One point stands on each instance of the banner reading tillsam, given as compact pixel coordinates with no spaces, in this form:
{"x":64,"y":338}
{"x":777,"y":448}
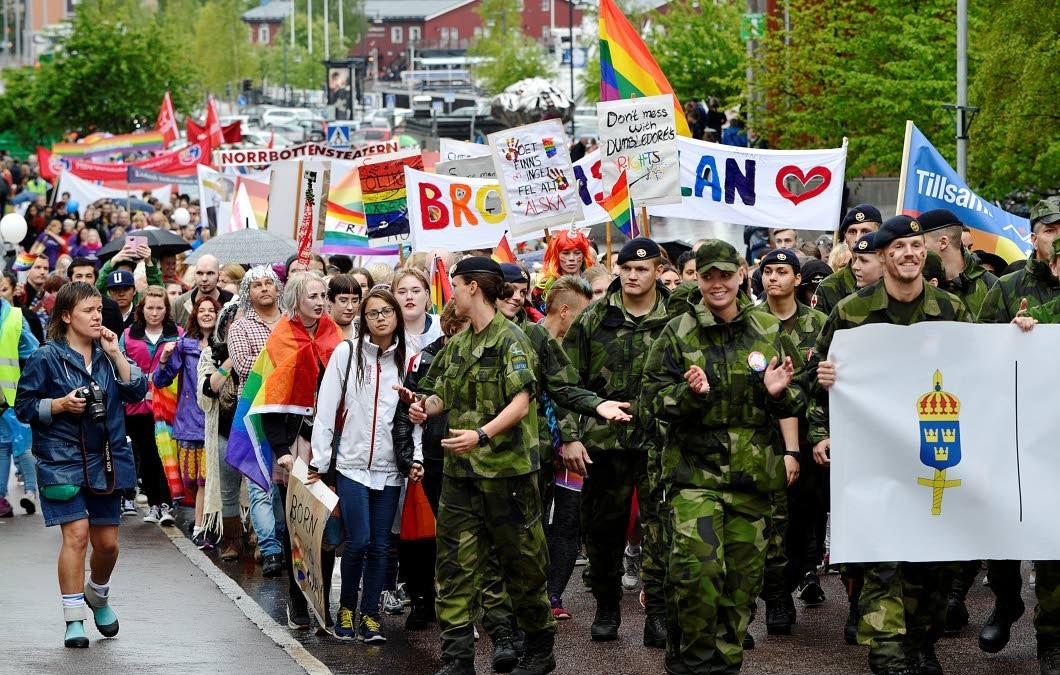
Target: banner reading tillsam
{"x":535,"y":170}
{"x":308,"y":508}
{"x":802,"y":189}
{"x":638,"y":136}
{"x":928,"y":182}
{"x":454,"y":213}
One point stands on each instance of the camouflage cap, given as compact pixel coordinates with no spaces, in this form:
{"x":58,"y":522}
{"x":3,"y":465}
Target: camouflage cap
{"x":934,"y":267}
{"x":1047,"y":211}
{"x":1056,"y":247}
{"x":717,"y":254}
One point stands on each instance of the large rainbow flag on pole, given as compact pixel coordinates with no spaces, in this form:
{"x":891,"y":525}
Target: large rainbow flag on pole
{"x":627,"y":68}
{"x":620,"y":208}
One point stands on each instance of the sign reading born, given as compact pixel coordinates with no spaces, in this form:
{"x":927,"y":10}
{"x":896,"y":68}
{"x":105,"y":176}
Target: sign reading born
{"x":534,"y":168}
{"x":639,"y":136}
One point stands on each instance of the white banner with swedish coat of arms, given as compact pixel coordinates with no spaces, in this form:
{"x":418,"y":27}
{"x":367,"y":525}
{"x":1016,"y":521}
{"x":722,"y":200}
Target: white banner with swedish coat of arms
{"x":944,"y":443}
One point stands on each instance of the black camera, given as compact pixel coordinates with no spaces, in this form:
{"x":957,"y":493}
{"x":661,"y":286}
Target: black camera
{"x":95,"y":406}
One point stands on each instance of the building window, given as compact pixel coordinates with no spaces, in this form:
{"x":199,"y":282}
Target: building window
{"x":545,"y":30}
{"x":396,"y":35}
{"x":454,"y":34}
{"x":415,"y":33}
{"x":443,"y":34}
{"x":264,"y":36}
{"x":477,"y":32}
{"x":546,"y":5}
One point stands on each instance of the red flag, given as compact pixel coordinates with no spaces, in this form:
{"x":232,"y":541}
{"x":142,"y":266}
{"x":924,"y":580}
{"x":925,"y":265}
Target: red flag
{"x":196,"y":132}
{"x":233,"y":133}
{"x":167,"y":121}
{"x":272,"y":138}
{"x":213,"y":124}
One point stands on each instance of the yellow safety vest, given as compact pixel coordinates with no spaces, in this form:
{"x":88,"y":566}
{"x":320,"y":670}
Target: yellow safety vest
{"x":10,"y":335}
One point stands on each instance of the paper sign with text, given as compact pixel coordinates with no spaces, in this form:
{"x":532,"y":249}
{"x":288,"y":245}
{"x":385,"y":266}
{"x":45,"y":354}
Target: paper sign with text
{"x":454,"y":213}
{"x":639,"y":136}
{"x":308,"y":508}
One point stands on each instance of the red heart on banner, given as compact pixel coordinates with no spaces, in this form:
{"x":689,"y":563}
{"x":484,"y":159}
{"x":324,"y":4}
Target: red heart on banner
{"x":796,"y":186}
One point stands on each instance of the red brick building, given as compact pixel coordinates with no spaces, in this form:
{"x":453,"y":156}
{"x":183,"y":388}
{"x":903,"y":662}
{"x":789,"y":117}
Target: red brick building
{"x":266,"y":21}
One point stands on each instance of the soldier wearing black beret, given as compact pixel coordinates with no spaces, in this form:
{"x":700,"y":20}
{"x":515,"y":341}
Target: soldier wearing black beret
{"x":964,"y":276}
{"x":866,"y":265}
{"x":860,"y":220}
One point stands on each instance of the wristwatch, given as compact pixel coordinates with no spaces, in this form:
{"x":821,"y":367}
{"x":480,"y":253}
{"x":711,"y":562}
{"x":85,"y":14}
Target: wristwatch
{"x":793,"y":453}
{"x":483,"y":439}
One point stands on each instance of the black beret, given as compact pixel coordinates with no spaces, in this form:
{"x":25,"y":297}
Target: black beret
{"x":866,"y":243}
{"x":814,"y":272}
{"x":899,"y":227}
{"x":781,"y":256}
{"x":936,"y":219}
{"x":515,"y":274}
{"x":862,"y":213}
{"x":478,"y":263}
{"x":640,"y":248}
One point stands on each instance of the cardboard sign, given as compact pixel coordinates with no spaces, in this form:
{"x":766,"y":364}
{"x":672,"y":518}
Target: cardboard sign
{"x":639,"y":136}
{"x":454,"y":213}
{"x":308,"y":508}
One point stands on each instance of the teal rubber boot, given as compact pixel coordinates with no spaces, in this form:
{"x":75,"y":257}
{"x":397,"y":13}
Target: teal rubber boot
{"x":106,"y":619}
{"x":75,"y":626}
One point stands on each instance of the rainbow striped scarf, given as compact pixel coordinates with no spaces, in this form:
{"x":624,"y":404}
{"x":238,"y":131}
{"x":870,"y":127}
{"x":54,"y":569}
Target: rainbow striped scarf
{"x":164,"y":410}
{"x":283,"y":380}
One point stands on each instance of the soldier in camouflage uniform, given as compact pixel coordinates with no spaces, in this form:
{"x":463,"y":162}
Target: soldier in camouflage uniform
{"x":608,"y":344}
{"x":722,"y":375}
{"x":1034,"y":285}
{"x":489,"y":506}
{"x":902,"y":605}
{"x":860,"y":220}
{"x":793,"y":557}
{"x":965,"y":277}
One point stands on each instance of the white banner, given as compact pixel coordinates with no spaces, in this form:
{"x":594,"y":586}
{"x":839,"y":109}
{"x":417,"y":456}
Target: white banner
{"x":767,"y":188}
{"x":86,"y":192}
{"x":639,"y":136}
{"x":261,"y":156}
{"x":450,"y":149}
{"x":456,"y":214}
{"x":534,"y":167}
{"x":468,"y":167}
{"x":958,"y":466}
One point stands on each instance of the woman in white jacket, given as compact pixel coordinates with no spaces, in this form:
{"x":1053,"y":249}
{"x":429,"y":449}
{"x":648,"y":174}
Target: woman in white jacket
{"x":367,"y":480}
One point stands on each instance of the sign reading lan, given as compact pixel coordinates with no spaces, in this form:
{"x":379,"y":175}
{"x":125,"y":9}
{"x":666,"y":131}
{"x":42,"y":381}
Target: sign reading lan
{"x":639,"y":137}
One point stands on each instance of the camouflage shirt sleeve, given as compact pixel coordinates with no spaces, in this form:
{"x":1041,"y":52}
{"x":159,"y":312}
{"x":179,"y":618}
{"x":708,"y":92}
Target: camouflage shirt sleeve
{"x":518,"y":372}
{"x":560,"y":379}
{"x":665,"y":390}
{"x":995,"y":306}
{"x":793,"y":400}
{"x":435,"y":382}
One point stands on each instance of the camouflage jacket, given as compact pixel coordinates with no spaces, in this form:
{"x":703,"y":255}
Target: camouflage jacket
{"x":477,"y":376}
{"x":971,"y":285}
{"x":1047,"y":313}
{"x":728,"y":438}
{"x":832,"y":289}
{"x":608,"y":348}
{"x":804,"y":328}
{"x":1034,"y":282}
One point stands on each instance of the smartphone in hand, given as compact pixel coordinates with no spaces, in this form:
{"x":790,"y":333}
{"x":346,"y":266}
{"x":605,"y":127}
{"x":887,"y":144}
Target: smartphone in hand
{"x":133,"y":244}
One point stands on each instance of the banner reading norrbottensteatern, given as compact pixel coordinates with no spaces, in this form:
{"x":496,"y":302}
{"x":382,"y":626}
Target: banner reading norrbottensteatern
{"x":262,"y":156}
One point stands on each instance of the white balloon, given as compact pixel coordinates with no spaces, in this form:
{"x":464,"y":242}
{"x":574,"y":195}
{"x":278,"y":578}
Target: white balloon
{"x":181,"y":217}
{"x":12,"y":228}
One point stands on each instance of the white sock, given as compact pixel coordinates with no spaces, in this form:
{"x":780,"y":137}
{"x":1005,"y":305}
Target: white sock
{"x":196,"y":532}
{"x":73,"y":599}
{"x":632,"y":550}
{"x":102,"y":590}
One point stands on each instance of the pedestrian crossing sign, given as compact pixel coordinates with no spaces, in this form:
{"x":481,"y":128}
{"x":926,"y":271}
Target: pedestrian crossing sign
{"x":338,"y":136}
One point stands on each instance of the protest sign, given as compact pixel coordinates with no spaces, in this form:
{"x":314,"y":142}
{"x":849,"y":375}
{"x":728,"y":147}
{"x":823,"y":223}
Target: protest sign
{"x":177,"y":162}
{"x":639,"y":136}
{"x":287,"y":198}
{"x":137,"y":174}
{"x":382,"y":183}
{"x":259,"y":156}
{"x":215,"y":199}
{"x":308,"y":508}
{"x":801,"y":189}
{"x":588,"y":171}
{"x":345,"y":227}
{"x":936,"y":460}
{"x":468,"y":167}
{"x":535,"y":171}
{"x":454,"y":213}
{"x":312,"y":191}
{"x":87,"y":192}
{"x":450,"y":149}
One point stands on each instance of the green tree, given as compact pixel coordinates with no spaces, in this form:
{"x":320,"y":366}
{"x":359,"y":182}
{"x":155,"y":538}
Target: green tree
{"x":508,"y":54}
{"x":697,"y":45}
{"x":858,"y":69}
{"x":305,"y":70}
{"x":223,"y":47}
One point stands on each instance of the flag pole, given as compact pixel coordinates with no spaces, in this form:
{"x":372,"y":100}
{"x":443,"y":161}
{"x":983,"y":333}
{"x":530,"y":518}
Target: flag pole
{"x":905,"y":163}
{"x":644,"y":219}
{"x":607,"y":261}
{"x":401,"y":254}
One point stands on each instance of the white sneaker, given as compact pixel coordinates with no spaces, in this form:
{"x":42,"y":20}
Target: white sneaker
{"x":166,"y":516}
{"x":29,"y":503}
{"x":128,"y":507}
{"x":154,"y":514}
{"x":391,"y":604}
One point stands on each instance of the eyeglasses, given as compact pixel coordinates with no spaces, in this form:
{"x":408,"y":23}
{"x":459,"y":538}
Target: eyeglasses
{"x":374,"y":314}
{"x":348,"y":301}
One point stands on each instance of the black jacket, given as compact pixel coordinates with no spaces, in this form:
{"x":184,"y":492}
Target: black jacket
{"x":435,"y":429}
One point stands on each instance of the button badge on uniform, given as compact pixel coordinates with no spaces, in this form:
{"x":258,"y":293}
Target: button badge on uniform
{"x":757,"y":361}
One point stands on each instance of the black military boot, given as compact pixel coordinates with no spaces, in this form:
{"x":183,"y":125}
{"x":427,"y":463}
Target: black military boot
{"x":655,"y":631}
{"x":605,"y":624}
{"x":850,"y":630}
{"x":1049,"y":660}
{"x":956,"y":615}
{"x":929,"y":661}
{"x":536,"y":662}
{"x":780,"y":615}
{"x":505,"y":657}
{"x":456,"y":667}
{"x":748,"y":641}
{"x":998,"y":627}
{"x":421,"y":615}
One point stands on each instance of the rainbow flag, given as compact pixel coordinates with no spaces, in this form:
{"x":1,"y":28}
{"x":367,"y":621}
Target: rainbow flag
{"x":627,"y":68}
{"x":23,"y":262}
{"x":620,"y":208}
{"x":382,"y":180}
{"x":441,"y":286}
{"x":112,"y":145}
{"x":283,"y":380}
{"x":503,"y":252}
{"x":164,"y":410}
{"x":345,"y":225}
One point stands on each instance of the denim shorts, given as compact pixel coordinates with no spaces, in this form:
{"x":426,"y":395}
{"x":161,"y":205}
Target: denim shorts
{"x":99,"y":509}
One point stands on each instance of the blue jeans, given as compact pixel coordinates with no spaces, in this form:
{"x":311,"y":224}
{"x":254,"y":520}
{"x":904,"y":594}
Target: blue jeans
{"x":266,"y":515}
{"x":367,"y":516}
{"x":26,"y":465}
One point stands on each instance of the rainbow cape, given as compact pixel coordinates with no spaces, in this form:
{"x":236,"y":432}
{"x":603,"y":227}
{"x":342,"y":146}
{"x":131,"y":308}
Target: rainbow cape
{"x":283,"y":380}
{"x":441,"y":286}
{"x":627,"y":68}
{"x":164,"y":410}
{"x":620,"y":208}
{"x":503,"y":253}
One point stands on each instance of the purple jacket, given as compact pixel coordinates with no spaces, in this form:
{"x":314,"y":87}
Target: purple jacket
{"x":183,"y":363}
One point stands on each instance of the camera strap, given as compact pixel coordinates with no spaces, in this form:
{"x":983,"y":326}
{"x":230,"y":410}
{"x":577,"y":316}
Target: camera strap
{"x":108,"y":467}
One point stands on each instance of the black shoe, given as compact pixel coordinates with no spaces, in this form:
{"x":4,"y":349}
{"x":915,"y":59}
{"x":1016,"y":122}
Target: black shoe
{"x":850,"y":630}
{"x":997,"y":629}
{"x":929,"y":661}
{"x":298,"y":615}
{"x":272,"y":565}
{"x":748,"y":641}
{"x":655,"y":631}
{"x":605,"y":624}
{"x":456,"y":667}
{"x":898,"y":671}
{"x":810,"y":590}
{"x":779,"y":617}
{"x":956,"y":616}
{"x":505,"y":658}
{"x":421,"y":616}
{"x":536,"y":663}
{"x":1049,"y":660}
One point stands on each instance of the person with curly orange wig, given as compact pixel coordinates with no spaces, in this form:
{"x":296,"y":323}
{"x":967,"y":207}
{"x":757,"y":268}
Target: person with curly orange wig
{"x":568,"y":252}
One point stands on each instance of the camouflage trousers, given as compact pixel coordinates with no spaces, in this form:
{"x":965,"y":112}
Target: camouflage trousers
{"x":480,"y":519}
{"x":607,"y":496}
{"x":903,"y":610}
{"x":1006,"y":582}
{"x":717,"y":558}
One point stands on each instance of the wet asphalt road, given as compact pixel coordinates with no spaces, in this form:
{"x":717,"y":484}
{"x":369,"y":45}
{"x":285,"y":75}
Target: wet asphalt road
{"x":816,"y":646}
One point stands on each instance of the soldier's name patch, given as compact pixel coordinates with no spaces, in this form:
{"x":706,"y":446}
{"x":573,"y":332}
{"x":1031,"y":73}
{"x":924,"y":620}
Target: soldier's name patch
{"x":757,"y":361}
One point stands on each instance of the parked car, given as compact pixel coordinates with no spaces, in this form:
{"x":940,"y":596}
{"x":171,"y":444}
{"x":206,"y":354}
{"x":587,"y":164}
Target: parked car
{"x":370,"y":135}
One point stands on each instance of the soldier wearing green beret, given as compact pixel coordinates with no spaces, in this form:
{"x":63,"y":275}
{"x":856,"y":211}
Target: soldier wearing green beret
{"x":1025,"y":289}
{"x":721,"y":375}
{"x":902,"y":605}
{"x":963,"y":275}
{"x":860,"y":220}
{"x":489,"y":505}
{"x":608,"y":344}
